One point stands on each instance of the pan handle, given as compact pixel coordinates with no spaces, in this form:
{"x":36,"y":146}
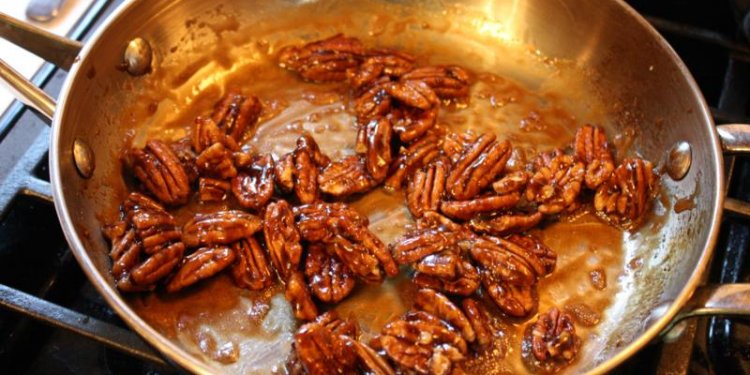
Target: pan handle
{"x":55,"y":49}
{"x":715,"y":300}
{"x":735,"y":139}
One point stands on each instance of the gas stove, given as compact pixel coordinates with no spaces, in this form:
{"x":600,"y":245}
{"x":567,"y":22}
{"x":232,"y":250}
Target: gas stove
{"x":55,"y":322}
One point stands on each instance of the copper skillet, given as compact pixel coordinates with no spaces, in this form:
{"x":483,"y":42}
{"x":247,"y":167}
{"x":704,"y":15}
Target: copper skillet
{"x":614,"y":47}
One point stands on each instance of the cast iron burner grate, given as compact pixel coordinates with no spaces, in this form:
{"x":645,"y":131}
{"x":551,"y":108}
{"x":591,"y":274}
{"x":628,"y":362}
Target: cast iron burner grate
{"x":40,"y":280}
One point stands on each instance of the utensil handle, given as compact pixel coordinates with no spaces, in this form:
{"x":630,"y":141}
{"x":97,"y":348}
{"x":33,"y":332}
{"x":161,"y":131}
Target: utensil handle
{"x":58,"y":50}
{"x":715,"y":300}
{"x":735,"y":140}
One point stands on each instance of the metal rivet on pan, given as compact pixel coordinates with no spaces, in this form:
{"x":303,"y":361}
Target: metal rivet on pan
{"x":137,"y":57}
{"x":679,"y":159}
{"x":83,"y":157}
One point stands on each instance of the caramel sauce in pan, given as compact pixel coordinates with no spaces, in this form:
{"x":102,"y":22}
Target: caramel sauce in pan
{"x":251,"y":332}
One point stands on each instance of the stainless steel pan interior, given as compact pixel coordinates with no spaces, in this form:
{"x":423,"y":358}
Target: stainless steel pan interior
{"x":633,"y":78}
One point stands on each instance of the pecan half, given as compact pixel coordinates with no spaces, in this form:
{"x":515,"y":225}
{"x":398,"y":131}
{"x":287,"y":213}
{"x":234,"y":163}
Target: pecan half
{"x":465,"y":210}
{"x":453,"y":144}
{"x":216,"y":161}
{"x":480,"y":321}
{"x":370,"y":361}
{"x":330,"y":280}
{"x":511,"y":182}
{"x":346,"y":231}
{"x":440,"y":306}
{"x":419,"y":109}
{"x":159,"y":170}
{"x":423,"y":242}
{"x":448,"y":81}
{"x":502,"y":264}
{"x":202,"y":264}
{"x":514,"y":300}
{"x":519,"y":255}
{"x":626,"y":196}
{"x":212,"y":190}
{"x":284,"y":173}
{"x":372,"y":103}
{"x":392,"y":64}
{"x":553,"y":337}
{"x":448,"y":273}
{"x":251,"y":270}
{"x":325,"y":60}
{"x":555,"y":185}
{"x":534,"y":245}
{"x":479,"y":165}
{"x":223,"y":227}
{"x":345,"y":177}
{"x":282,"y":238}
{"x":426,"y":188}
{"x":591,"y":147}
{"x":235,"y":113}
{"x":422,"y":343}
{"x":299,"y":297}
{"x":415,"y":156}
{"x":146,"y":244}
{"x":307,"y":160}
{"x":323,"y":350}
{"x":253,"y":187}
{"x":505,"y":223}
{"x":378,"y":155}
{"x":206,"y":132}
{"x":183,"y":149}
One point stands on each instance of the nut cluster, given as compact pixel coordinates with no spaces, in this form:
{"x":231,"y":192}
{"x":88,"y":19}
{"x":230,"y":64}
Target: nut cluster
{"x":286,"y":219}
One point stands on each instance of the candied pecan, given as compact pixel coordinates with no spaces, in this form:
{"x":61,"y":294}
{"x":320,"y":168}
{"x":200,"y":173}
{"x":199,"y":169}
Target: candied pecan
{"x":370,"y":361}
{"x":440,"y":306}
{"x":413,"y":94}
{"x":155,"y":228}
{"x":448,"y":81}
{"x":465,"y":210}
{"x":453,"y":144}
{"x":423,"y":242}
{"x":447,"y":272}
{"x":160,"y":172}
{"x":330,"y":280}
{"x":212,"y":190}
{"x":378,"y":64}
{"x":345,"y":177}
{"x":373,"y":103}
{"x":553,"y":337}
{"x":412,"y":123}
{"x":223,"y":227}
{"x":422,"y":343}
{"x":555,"y":185}
{"x":533,"y":244}
{"x":253,"y":187}
{"x":206,"y":133}
{"x":591,"y":147}
{"x":324,"y":60}
{"x":338,"y":225}
{"x":235,"y":113}
{"x":282,"y":238}
{"x":417,"y":155}
{"x":377,"y":134}
{"x":426,"y":188}
{"x":307,"y":160}
{"x":251,"y":269}
{"x":505,"y":223}
{"x":284,"y":172}
{"x":153,"y":269}
{"x":202,"y":264}
{"x":511,"y":182}
{"x":502,"y":264}
{"x":517,"y":254}
{"x":479,"y":164}
{"x":183,"y":149}
{"x":323,"y":350}
{"x":299,"y":297}
{"x":479,"y":320}
{"x":514,"y":300}
{"x":625,"y":197}
{"x":216,"y":161}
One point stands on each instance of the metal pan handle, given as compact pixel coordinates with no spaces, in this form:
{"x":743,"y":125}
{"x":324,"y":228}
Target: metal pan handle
{"x":58,"y":50}
{"x":725,"y":299}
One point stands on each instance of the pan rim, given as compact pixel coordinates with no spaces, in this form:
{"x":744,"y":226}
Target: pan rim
{"x":176,"y":354}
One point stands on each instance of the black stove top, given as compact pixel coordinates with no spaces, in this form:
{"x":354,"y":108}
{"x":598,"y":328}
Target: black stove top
{"x":711,"y":36}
